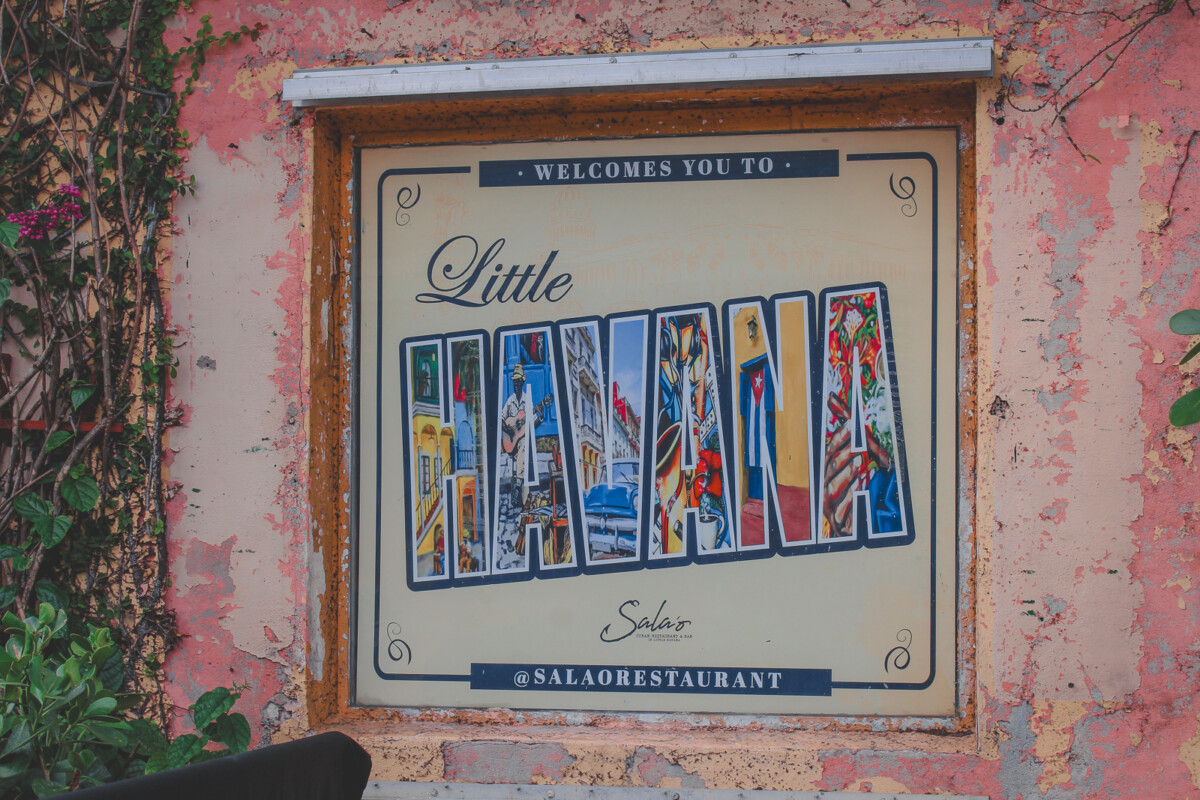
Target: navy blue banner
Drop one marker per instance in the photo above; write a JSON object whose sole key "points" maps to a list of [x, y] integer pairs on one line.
{"points": [[661, 169], [656, 680]]}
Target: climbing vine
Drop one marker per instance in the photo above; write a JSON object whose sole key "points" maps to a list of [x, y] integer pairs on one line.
{"points": [[1119, 30], [90, 160]]}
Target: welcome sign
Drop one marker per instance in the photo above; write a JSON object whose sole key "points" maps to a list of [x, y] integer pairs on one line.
{"points": [[659, 424]]}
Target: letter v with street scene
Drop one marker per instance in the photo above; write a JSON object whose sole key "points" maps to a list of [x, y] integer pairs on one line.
{"points": [[660, 425]]}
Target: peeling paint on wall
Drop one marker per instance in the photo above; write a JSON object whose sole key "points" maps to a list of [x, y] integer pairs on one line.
{"points": [[1087, 615]]}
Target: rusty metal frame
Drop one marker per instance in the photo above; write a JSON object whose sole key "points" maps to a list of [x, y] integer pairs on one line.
{"points": [[336, 136]]}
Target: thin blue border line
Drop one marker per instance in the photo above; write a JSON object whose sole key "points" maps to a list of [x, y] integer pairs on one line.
{"points": [[933, 427], [379, 407], [882, 685]]}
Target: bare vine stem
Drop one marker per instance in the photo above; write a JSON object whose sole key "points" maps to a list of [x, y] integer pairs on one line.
{"points": [[1060, 99]]}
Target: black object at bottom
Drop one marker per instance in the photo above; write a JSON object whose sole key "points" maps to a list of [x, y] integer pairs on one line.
{"points": [[330, 766]]}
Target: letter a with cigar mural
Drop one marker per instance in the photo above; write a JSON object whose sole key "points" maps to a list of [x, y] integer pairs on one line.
{"points": [[861, 459], [623, 432]]}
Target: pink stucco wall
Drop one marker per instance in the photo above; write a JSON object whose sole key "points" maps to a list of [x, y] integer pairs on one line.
{"points": [[1085, 501]]}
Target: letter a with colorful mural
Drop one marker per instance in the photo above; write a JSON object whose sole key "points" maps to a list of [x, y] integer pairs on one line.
{"points": [[606, 428], [533, 508], [689, 472], [864, 495], [769, 366]]}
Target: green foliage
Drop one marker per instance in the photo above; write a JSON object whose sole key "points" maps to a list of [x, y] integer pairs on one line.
{"points": [[59, 723], [1186, 410], [61, 727], [91, 156], [213, 723]]}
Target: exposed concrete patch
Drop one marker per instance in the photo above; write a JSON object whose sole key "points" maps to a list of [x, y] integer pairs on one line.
{"points": [[774, 768], [598, 765], [656, 770], [316, 642], [1189, 754], [877, 783], [1053, 725], [413, 759], [505, 762]]}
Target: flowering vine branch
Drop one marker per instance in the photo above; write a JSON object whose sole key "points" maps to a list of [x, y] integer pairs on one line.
{"points": [[90, 160]]}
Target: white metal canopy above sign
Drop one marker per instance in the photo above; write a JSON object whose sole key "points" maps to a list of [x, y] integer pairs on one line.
{"points": [[758, 66]]}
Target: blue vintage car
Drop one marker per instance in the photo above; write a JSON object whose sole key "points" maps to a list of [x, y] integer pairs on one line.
{"points": [[612, 512]]}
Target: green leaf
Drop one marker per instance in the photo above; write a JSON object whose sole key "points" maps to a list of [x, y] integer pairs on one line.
{"points": [[233, 730], [1186, 410], [52, 529], [57, 439], [10, 232], [112, 673], [70, 668], [7, 551], [5, 288], [18, 739], [80, 395], [1190, 355], [7, 595], [183, 750], [1186, 322], [101, 706], [157, 762], [31, 507], [50, 595], [46, 614], [81, 493], [211, 705], [147, 735], [111, 733], [44, 788]]}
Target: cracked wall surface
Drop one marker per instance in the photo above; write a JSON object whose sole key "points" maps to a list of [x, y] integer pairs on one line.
{"points": [[1086, 502]]}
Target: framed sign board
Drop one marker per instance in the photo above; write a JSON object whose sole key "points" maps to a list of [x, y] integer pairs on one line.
{"points": [[659, 424]]}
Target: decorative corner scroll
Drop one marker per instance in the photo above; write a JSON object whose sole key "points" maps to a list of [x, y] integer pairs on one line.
{"points": [[905, 190], [397, 649], [898, 656], [406, 198]]}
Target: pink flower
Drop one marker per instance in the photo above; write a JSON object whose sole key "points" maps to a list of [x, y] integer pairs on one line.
{"points": [[37, 223]]}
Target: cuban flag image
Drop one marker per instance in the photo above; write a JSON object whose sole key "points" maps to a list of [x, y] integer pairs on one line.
{"points": [[756, 421], [757, 400]]}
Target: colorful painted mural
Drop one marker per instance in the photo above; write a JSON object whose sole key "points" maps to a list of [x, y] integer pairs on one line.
{"points": [[532, 504], [606, 430], [773, 432], [449, 464], [584, 483], [861, 461], [689, 471]]}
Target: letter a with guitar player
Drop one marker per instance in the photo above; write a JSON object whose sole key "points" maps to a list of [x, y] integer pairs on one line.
{"points": [[532, 505]]}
